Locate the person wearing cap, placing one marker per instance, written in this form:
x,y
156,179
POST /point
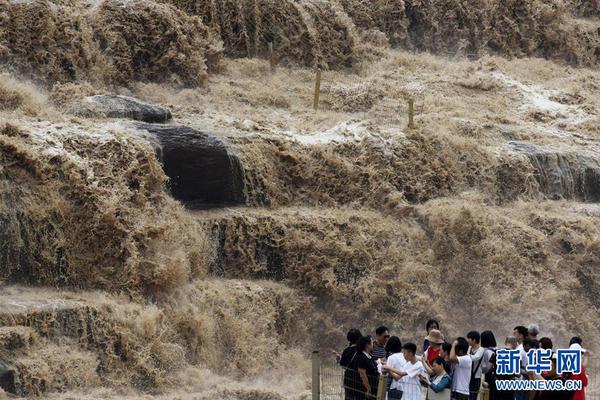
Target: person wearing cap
x,y
435,339
575,344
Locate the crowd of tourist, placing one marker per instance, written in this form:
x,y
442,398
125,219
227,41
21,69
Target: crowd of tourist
x,y
456,370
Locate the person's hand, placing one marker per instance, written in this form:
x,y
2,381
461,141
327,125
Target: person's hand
x,y
423,379
455,343
335,353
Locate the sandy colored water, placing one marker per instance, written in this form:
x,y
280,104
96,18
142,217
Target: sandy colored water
x,y
351,218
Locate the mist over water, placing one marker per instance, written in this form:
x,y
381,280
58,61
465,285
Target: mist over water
x,y
123,277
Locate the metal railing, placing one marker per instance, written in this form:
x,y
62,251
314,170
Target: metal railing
x,y
331,382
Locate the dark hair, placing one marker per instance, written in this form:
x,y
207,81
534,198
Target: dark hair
x,y
381,330
530,342
546,343
393,345
410,347
576,339
474,335
462,346
432,322
522,330
353,335
488,339
363,342
446,347
440,361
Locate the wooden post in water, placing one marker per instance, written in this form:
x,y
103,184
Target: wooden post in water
x,y
381,387
271,57
316,375
317,90
411,113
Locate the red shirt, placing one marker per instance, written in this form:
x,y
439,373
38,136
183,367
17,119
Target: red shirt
x,y
432,354
580,394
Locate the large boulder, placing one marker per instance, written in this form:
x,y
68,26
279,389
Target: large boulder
x,y
101,106
202,171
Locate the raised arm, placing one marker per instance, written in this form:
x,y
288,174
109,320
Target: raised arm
x,y
453,357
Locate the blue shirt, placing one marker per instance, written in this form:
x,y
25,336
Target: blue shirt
x,y
444,383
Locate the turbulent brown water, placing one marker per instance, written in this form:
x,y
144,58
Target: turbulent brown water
x,y
484,216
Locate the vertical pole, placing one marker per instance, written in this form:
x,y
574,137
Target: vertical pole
x,y
485,393
381,387
271,57
411,113
316,375
317,89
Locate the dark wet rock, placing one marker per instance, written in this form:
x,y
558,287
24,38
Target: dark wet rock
x,y
203,172
120,107
8,378
563,173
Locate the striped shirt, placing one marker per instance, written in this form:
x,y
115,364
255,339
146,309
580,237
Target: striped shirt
x,y
379,351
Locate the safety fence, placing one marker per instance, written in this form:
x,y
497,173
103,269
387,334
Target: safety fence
x,y
330,381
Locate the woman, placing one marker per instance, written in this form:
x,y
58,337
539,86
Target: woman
x,y
346,358
439,385
431,324
488,342
396,360
364,367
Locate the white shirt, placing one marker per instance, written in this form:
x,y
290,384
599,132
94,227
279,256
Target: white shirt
x,y
475,357
523,359
486,365
396,361
410,384
462,375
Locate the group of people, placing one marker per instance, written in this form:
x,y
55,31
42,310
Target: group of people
x,y
449,371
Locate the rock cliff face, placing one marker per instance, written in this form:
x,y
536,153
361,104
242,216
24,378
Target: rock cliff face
x,y
100,106
174,225
564,174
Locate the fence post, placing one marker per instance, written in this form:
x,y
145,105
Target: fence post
x,y
317,89
411,113
316,375
381,387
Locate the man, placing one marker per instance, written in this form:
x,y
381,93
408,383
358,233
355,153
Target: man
x,y
521,333
476,352
527,345
546,343
532,333
409,376
381,336
462,369
445,354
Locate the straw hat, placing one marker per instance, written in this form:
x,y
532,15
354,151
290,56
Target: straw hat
x,y
435,336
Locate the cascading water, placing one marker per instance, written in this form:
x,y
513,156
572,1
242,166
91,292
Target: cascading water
x,y
206,257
